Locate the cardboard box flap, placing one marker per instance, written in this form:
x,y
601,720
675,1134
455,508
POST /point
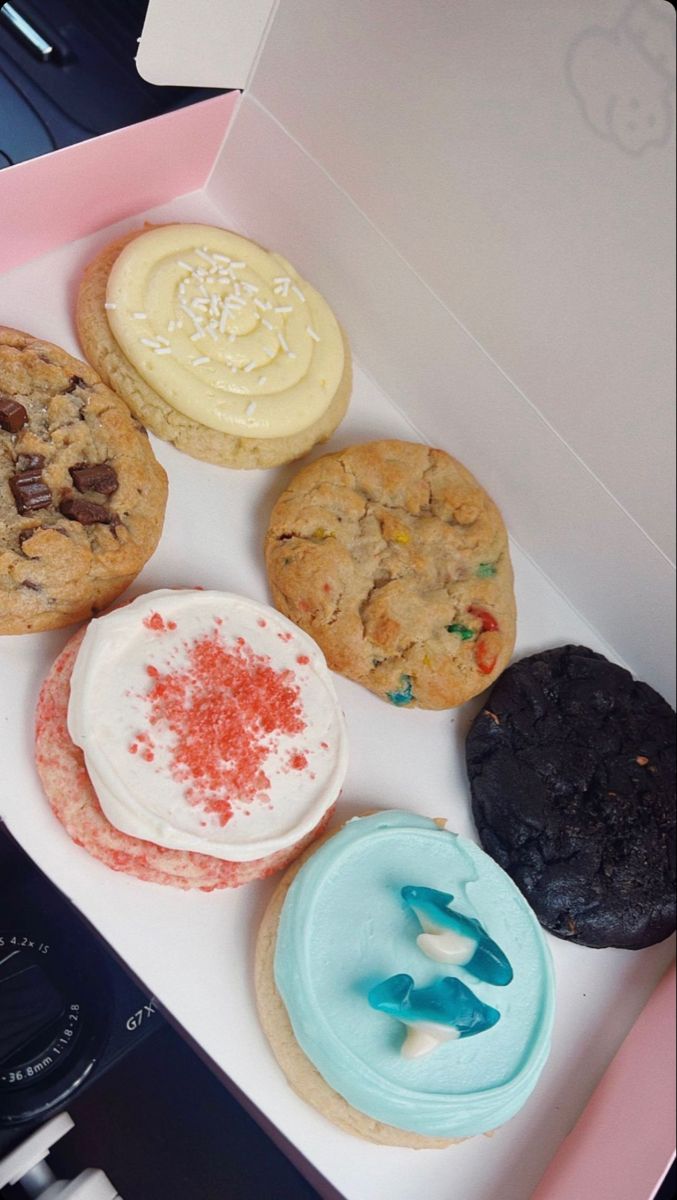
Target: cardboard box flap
x,y
527,178
520,158
207,43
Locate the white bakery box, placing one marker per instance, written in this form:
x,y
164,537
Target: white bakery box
x,y
483,191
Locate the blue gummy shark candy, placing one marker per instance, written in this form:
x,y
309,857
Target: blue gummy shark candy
x,y
444,1011
449,937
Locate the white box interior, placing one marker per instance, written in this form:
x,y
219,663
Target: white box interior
x,y
488,190
195,952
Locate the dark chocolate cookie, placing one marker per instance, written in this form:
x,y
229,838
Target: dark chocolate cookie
x,y
572,774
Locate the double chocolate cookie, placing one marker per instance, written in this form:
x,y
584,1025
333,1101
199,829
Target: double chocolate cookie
x,y
394,558
572,773
82,497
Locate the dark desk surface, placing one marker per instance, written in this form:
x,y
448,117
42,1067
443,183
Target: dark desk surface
x,y
158,1122
164,1128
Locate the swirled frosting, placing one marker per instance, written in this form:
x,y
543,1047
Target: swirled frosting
x,y
227,333
209,723
344,927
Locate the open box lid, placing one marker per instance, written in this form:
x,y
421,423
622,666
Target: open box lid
x,y
519,161
207,43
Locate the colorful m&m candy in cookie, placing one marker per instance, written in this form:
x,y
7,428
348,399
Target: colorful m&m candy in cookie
x,y
404,984
395,559
191,738
217,345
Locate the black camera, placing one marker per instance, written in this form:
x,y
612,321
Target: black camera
x,y
68,1012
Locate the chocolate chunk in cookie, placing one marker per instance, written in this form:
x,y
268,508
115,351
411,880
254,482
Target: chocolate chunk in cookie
x,y
25,462
87,513
395,559
13,416
29,490
74,383
572,773
97,477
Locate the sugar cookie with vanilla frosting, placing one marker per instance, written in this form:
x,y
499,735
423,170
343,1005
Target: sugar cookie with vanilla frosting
x,y
191,738
217,345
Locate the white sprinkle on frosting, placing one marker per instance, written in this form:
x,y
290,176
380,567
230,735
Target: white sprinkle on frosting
x,y
197,321
250,409
109,305
249,315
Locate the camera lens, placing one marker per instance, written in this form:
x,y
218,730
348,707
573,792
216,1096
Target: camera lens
x,y
53,1020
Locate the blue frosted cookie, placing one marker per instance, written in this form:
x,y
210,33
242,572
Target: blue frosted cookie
x,y
404,984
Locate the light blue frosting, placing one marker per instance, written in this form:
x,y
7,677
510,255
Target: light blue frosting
x,y
344,927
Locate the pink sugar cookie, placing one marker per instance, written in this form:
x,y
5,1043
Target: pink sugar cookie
x,y
61,767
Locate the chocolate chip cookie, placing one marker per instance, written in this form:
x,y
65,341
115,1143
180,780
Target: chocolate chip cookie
x,y
82,497
396,561
572,772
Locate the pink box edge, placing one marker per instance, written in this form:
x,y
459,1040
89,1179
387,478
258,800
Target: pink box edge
x,y
75,191
629,1122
